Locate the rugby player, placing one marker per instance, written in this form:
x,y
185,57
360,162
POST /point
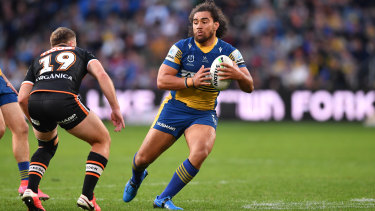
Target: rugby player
x,y
11,115
49,97
190,107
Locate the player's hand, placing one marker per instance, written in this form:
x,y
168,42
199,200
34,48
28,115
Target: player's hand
x,y
202,77
230,72
117,120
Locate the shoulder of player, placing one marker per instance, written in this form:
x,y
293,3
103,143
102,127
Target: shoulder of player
x,y
183,44
226,46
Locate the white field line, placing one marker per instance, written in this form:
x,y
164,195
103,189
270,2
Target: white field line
x,y
311,205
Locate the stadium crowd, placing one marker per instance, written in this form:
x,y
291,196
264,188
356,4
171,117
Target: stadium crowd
x,y
290,44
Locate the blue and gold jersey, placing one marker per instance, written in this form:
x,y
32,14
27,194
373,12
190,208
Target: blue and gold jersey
x,y
187,56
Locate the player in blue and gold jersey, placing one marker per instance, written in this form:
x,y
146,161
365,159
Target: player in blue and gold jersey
x,y
190,107
11,115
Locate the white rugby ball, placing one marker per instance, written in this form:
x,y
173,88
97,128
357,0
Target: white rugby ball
x,y
215,78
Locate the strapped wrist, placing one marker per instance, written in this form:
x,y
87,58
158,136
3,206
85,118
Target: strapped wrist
x,y
186,84
190,83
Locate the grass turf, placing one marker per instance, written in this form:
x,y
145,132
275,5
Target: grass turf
x,y
276,165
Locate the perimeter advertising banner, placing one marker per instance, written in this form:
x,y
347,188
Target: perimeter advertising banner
x,y
141,106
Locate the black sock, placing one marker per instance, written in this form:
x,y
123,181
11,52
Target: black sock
x,y
39,162
94,167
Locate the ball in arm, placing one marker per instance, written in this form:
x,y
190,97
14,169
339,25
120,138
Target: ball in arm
x,y
215,78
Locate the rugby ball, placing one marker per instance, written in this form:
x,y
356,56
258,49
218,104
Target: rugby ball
x,y
215,78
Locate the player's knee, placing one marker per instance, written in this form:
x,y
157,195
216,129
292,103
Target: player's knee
x,y
22,129
107,138
142,160
48,146
200,154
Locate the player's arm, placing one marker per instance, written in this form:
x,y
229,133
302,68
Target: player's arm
x,y
240,74
9,84
96,69
168,80
23,98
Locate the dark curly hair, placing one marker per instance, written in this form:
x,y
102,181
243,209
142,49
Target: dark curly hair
x,y
217,16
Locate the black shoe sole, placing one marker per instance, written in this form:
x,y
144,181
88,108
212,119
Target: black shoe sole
x,y
29,201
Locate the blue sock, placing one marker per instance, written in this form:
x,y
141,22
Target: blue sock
x,y
137,172
183,175
23,167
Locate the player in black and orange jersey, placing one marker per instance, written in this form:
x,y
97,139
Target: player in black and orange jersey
x,y
11,115
49,97
190,107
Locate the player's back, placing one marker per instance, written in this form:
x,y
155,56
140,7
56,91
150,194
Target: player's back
x,y
61,68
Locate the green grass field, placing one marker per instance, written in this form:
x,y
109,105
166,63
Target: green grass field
x,y
284,165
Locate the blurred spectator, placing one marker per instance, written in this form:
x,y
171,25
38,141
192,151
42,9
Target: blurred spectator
x,y
291,44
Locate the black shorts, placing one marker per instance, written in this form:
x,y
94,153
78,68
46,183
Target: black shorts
x,y
47,109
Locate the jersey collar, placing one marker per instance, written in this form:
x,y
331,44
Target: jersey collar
x,y
206,49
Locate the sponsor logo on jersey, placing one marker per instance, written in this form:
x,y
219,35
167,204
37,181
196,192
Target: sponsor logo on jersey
x,y
238,57
56,49
172,53
54,76
166,126
68,120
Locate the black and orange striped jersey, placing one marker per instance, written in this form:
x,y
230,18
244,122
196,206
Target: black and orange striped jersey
x,y
61,69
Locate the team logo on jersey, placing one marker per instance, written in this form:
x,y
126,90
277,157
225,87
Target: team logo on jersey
x,y
205,59
220,49
189,45
190,60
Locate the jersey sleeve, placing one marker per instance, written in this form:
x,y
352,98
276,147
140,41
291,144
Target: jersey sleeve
x,y
30,77
173,58
237,57
89,57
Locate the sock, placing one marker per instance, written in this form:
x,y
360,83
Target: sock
x,y
183,175
137,172
94,167
23,167
39,162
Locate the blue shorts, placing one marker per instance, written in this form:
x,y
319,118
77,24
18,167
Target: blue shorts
x,y
6,93
175,117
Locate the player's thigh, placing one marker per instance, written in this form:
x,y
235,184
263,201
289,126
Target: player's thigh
x,y
155,143
91,130
14,117
45,136
2,124
200,138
